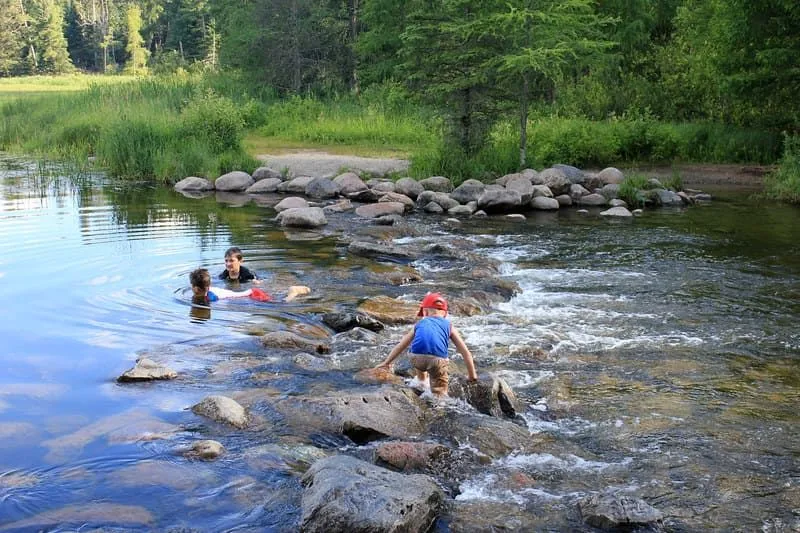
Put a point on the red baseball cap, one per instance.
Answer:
(432, 300)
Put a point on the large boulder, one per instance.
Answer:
(494, 201)
(346, 495)
(494, 437)
(303, 217)
(469, 191)
(409, 187)
(350, 183)
(611, 175)
(236, 181)
(523, 186)
(291, 202)
(593, 199)
(295, 186)
(437, 184)
(409, 456)
(397, 197)
(266, 185)
(542, 203)
(322, 188)
(380, 209)
(222, 409)
(193, 183)
(363, 416)
(574, 174)
(668, 198)
(556, 180)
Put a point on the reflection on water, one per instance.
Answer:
(663, 352)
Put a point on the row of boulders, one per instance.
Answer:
(547, 190)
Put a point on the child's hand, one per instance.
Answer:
(295, 291)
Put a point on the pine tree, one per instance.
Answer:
(54, 55)
(12, 36)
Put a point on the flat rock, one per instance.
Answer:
(222, 409)
(147, 370)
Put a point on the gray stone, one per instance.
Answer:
(344, 321)
(344, 494)
(489, 395)
(206, 450)
(322, 188)
(147, 370)
(380, 209)
(542, 190)
(222, 409)
(236, 181)
(543, 203)
(303, 217)
(593, 199)
(499, 201)
(468, 191)
(291, 202)
(616, 202)
(577, 191)
(382, 186)
(556, 180)
(193, 183)
(616, 212)
(433, 208)
(297, 185)
(409, 187)
(462, 210)
(367, 196)
(397, 197)
(669, 198)
(266, 185)
(574, 174)
(523, 186)
(611, 175)
(610, 191)
(564, 200)
(287, 340)
(370, 249)
(350, 183)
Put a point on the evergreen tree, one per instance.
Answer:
(54, 55)
(137, 54)
(12, 36)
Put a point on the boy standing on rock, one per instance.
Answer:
(429, 340)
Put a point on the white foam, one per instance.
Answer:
(548, 463)
(520, 379)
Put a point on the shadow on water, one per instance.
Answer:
(660, 354)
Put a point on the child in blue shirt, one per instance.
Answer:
(429, 340)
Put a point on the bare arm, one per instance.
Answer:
(397, 350)
(455, 336)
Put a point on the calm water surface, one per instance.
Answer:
(664, 350)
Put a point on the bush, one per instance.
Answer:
(784, 183)
(214, 119)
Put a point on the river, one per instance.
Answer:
(665, 350)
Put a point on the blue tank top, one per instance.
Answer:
(431, 336)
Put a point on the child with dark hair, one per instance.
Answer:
(429, 340)
(234, 270)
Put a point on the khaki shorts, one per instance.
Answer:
(437, 368)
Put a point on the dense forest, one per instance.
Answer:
(727, 62)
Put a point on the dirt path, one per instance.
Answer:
(319, 163)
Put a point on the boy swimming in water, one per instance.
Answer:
(202, 291)
(429, 340)
(234, 270)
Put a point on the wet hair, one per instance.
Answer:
(233, 251)
(200, 278)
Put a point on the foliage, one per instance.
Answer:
(54, 56)
(137, 54)
(630, 190)
(214, 119)
(784, 183)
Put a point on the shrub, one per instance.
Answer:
(784, 183)
(214, 119)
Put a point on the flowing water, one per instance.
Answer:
(664, 353)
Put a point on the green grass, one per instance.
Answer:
(631, 188)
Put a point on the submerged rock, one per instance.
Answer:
(206, 450)
(611, 511)
(378, 375)
(292, 341)
(411, 455)
(390, 310)
(344, 494)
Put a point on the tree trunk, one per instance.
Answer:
(523, 122)
(466, 122)
(354, 6)
(296, 72)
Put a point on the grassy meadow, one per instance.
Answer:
(162, 129)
